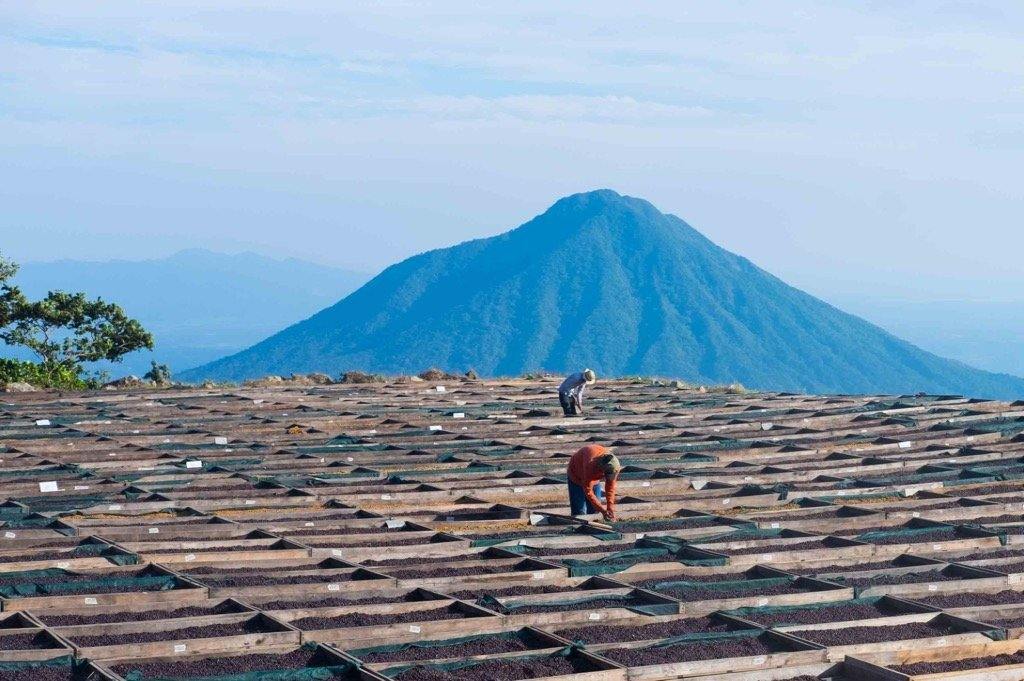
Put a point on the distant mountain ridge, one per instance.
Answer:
(610, 282)
(199, 304)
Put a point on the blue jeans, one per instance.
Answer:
(578, 504)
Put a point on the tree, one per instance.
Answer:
(158, 373)
(66, 329)
(8, 293)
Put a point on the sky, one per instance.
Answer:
(859, 150)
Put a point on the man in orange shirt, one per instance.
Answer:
(587, 468)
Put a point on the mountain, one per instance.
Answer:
(198, 304)
(609, 282)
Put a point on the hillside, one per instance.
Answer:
(605, 281)
(200, 305)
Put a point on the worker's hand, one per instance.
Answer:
(608, 515)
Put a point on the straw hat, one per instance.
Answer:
(590, 376)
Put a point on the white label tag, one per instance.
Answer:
(775, 526)
(761, 602)
(916, 514)
(180, 647)
(334, 587)
(517, 490)
(726, 502)
(594, 616)
(10, 535)
(111, 453)
(250, 502)
(193, 464)
(309, 524)
(154, 530)
(440, 389)
(48, 486)
(336, 552)
(933, 587)
(394, 524)
(458, 415)
(63, 565)
(89, 601)
(936, 547)
(435, 427)
(640, 535)
(767, 556)
(78, 488)
(190, 557)
(114, 507)
(539, 575)
(645, 483)
(43, 422)
(414, 628)
(906, 444)
(766, 426)
(385, 497)
(698, 484)
(222, 440)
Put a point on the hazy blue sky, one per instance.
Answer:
(844, 146)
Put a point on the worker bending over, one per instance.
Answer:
(570, 393)
(588, 468)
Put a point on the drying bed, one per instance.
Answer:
(207, 532)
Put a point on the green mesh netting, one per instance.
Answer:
(628, 602)
(41, 583)
(734, 585)
(26, 667)
(908, 533)
(775, 609)
(613, 562)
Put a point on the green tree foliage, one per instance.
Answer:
(66, 330)
(158, 373)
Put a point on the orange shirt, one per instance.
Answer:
(585, 471)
